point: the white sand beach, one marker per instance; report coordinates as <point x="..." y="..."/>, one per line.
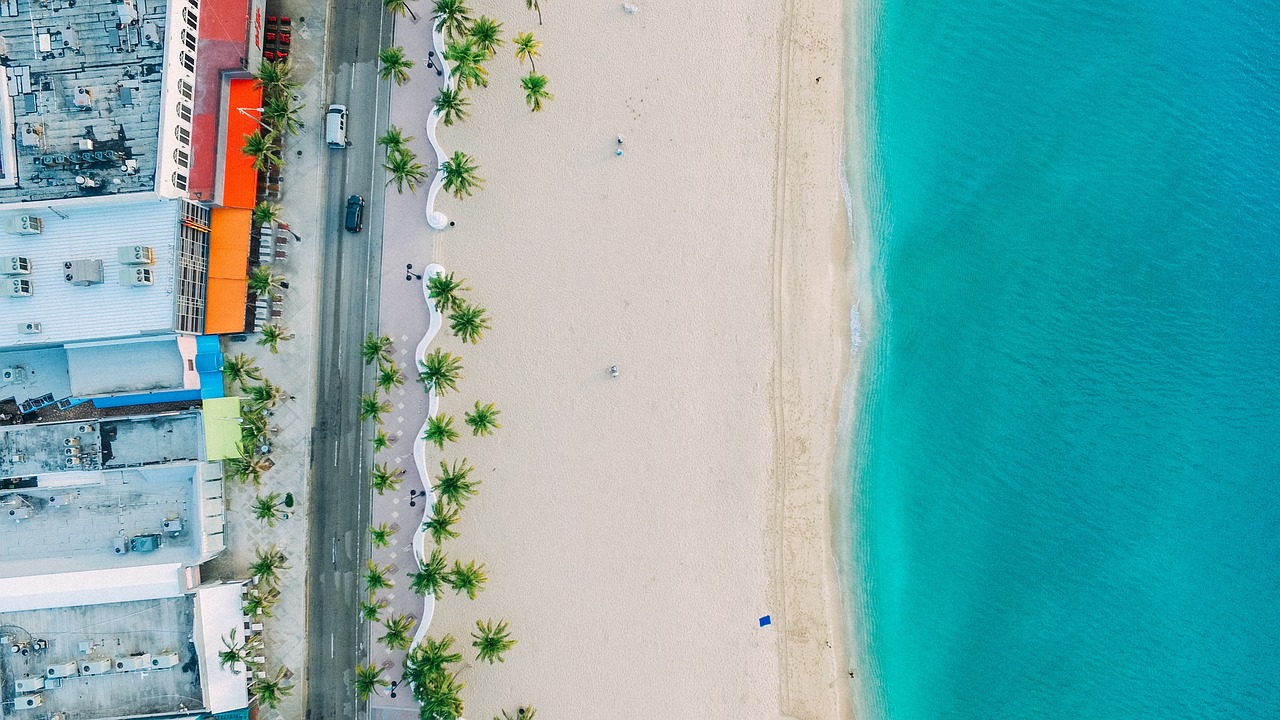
<point x="635" y="529"/>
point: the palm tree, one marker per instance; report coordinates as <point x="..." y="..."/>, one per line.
<point x="266" y="212"/>
<point x="484" y="420"/>
<point x="486" y="33"/>
<point x="264" y="283"/>
<point x="234" y="654"/>
<point x="263" y="150"/>
<point x="272" y="335"/>
<point x="275" y="77"/>
<point x="453" y="17"/>
<point x="452" y="483"/>
<point x="372" y="408"/>
<point x="382" y="478"/>
<point x="265" y="394"/>
<point x="439" y="697"/>
<point x="268" y="565"/>
<point x="469" y="578"/>
<point x="253" y="427"/>
<point x="399" y="629"/>
<point x="269" y="691"/>
<point x="440" y="370"/>
<point x="394" y="65"/>
<point x="460" y="174"/>
<point x="491" y="640"/>
<point x="376" y="578"/>
<point x="445" y="291"/>
<point x="249" y="465"/>
<point x="372" y="610"/>
<point x="468" y="63"/>
<point x="381" y="440"/>
<point x="268" y="508"/>
<point x="451" y="105"/>
<point x="468" y="322"/>
<point x="443" y="518"/>
<point x="527" y="48"/>
<point x="368" y="680"/>
<point x="431" y="578"/>
<point x="403" y="168"/>
<point x="260" y="600"/>
<point x="389" y="376"/>
<point x="377" y="349"/>
<point x="382" y="533"/>
<point x="440" y="430"/>
<point x="239" y="369"/>
<point x="394" y="137"/>
<point x="428" y="658"/>
<point x="400" y="7"/>
<point x="533" y="5"/>
<point x="535" y="90"/>
<point x="279" y="111"/>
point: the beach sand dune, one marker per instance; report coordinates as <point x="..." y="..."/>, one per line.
<point x="636" y="528"/>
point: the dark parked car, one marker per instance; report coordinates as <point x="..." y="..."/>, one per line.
<point x="355" y="213"/>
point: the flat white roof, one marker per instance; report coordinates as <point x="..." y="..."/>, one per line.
<point x="125" y="366"/>
<point x="90" y="231"/>
<point x="219" y="610"/>
<point x="91" y="587"/>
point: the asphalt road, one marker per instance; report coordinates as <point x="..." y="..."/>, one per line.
<point x="339" y="511"/>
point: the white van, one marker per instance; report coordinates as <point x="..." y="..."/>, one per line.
<point x="335" y="126"/>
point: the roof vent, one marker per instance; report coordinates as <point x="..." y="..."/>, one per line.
<point x="30" y="328"/>
<point x="136" y="277"/>
<point x="23" y="702"/>
<point x="16" y="287"/>
<point x="26" y="225"/>
<point x="136" y="255"/>
<point x="82" y="272"/>
<point x="15" y="265"/>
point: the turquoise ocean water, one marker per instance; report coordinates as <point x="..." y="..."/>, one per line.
<point x="1067" y="453"/>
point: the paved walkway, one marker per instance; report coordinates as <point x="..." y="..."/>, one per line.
<point x="293" y="369"/>
<point x="406" y="241"/>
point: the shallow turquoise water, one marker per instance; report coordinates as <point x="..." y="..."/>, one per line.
<point x="1066" y="498"/>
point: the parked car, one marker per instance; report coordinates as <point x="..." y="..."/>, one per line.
<point x="355" y="213"/>
<point x="335" y="126"/>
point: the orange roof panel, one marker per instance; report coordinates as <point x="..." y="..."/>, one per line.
<point x="239" y="179"/>
<point x="228" y="270"/>
<point x="224" y="306"/>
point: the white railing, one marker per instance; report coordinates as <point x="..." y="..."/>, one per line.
<point x="421" y="536"/>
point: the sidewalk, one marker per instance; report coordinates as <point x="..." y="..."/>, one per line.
<point x="293" y="369"/>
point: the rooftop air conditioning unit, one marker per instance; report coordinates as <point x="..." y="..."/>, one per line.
<point x="12" y="375"/>
<point x="59" y="500"/>
<point x="97" y="666"/>
<point x="71" y="441"/>
<point x="15" y="265"/>
<point x="29" y="684"/>
<point x="18" y="513"/>
<point x="61" y="670"/>
<point x="29" y="328"/>
<point x="82" y="272"/>
<point x="136" y="255"/>
<point x="164" y="660"/>
<point x="120" y="545"/>
<point x="129" y="663"/>
<point x="136" y="277"/>
<point x="16" y="287"/>
<point x="87" y="428"/>
<point x="24" y="702"/>
<point x="26" y="225"/>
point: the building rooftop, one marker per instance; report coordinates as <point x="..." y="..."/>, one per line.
<point x="84" y="79"/>
<point x="156" y="634"/>
<point x="95" y="233"/>
<point x="76" y="447"/>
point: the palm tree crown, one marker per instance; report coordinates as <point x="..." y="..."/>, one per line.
<point x="395" y="65"/>
<point x="440" y="430"/>
<point x="460" y="176"/>
<point x="468" y="63"/>
<point x="240" y="369"/>
<point x="469" y="578"/>
<point x="535" y="90"/>
<point x="486" y="33"/>
<point x="268" y="508"/>
<point x="452" y="483"/>
<point x="451" y="105"/>
<point x="368" y="680"/>
<point x="376" y="349"/>
<point x="372" y="408"/>
<point x="269" y="691"/>
<point x="389" y="376"/>
<point x="268" y="564"/>
<point x="394" y="138"/>
<point x="453" y="18"/>
<point x="484" y="420"/>
<point x="272" y="335"/>
<point x="275" y="77"/>
<point x="468" y="322"/>
<point x="376" y="579"/>
<point x="491" y="640"/>
<point x="372" y="610"/>
<point x="398" y="629"/>
<point x="431" y="578"/>
<point x="381" y="534"/>
<point x="445" y="291"/>
<point x="440" y="524"/>
<point x="263" y="150"/>
<point x="440" y="370"/>
<point x="382" y="478"/>
<point x="280" y="112"/>
<point x="400" y="7"/>
<point x="527" y="48"/>
<point x="403" y="168"/>
<point x="266" y="212"/>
